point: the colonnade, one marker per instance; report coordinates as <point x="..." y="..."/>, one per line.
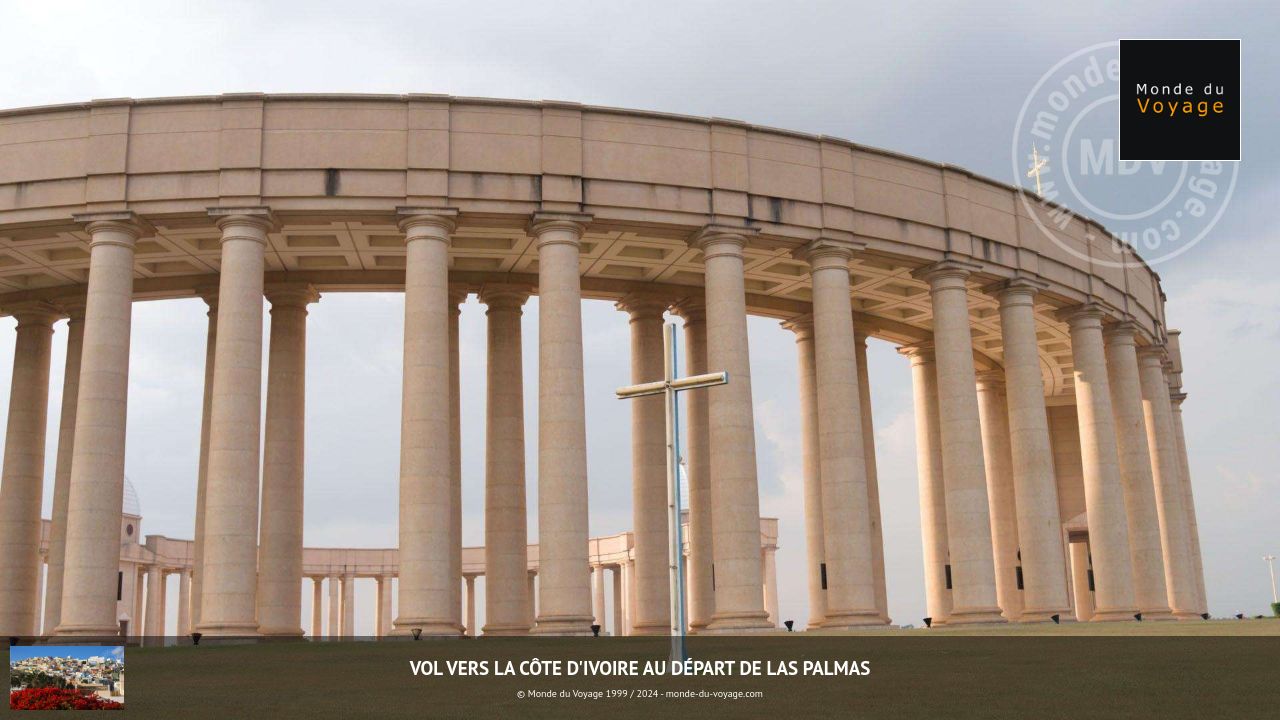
<point x="994" y="543"/>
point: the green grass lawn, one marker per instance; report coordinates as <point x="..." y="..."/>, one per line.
<point x="1167" y="670"/>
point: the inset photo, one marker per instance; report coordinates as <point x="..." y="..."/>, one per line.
<point x="66" y="677"/>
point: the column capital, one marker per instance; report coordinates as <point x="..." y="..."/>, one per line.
<point x="423" y="223"/>
<point x="457" y="295"/>
<point x="34" y="313"/>
<point x="72" y="307"/>
<point x="1176" y="398"/>
<point x="253" y="223"/>
<point x="826" y="252"/>
<point x="1152" y="355"/>
<point x="571" y="225"/>
<point x="504" y="296"/>
<point x="291" y="295"/>
<point x="114" y="228"/>
<point x="801" y="325"/>
<point x="1016" y="291"/>
<point x="693" y="309"/>
<point x="1082" y="315"/>
<point x="921" y="352"/>
<point x="860" y="335"/>
<point x="715" y="240"/>
<point x="209" y="293"/>
<point x="1121" y="333"/>
<point x="993" y="379"/>
<point x="946" y="273"/>
<point x="644" y="305"/>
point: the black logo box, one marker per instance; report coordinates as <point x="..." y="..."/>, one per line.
<point x="1175" y="72"/>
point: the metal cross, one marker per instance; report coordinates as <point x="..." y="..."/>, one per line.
<point x="670" y="386"/>
<point x="1271" y="566"/>
<point x="1037" y="164"/>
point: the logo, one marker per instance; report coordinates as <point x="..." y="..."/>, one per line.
<point x="1066" y="148"/>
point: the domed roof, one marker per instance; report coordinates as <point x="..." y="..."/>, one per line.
<point x="131" y="505"/>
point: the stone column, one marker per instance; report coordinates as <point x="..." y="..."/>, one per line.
<point x="335" y="607"/>
<point x="649" y="467"/>
<point x="533" y="606"/>
<point x="457" y="296"/>
<point x="426" y="470"/>
<point x="280" y="541"/>
<point x="564" y="607"/>
<point x="631" y="596"/>
<point x="471" y="605"/>
<point x="994" y="415"/>
<point x="92" y="558"/>
<point x="1176" y="398"/>
<point x="138" y="628"/>
<point x="701" y="598"/>
<point x="184" y="602"/>
<point x="1135" y="473"/>
<point x="383" y="620"/>
<point x="933" y="503"/>
<point x="228" y="606"/>
<point x="873" y="482"/>
<point x="1104" y="494"/>
<point x="618" y="628"/>
<point x="1171" y="511"/>
<point x="506" y="561"/>
<point x="1044" y="571"/>
<point x="348" y="606"/>
<point x="317" y="607"/>
<point x="597" y="594"/>
<point x="973" y="593"/>
<point x="37" y="621"/>
<point x="155" y="606"/>
<point x="1080" y="581"/>
<point x="74" y="308"/>
<point x="851" y="599"/>
<point x="735" y="498"/>
<point x="1188" y="499"/>
<point x="770" y="572"/>
<point x="23" y="481"/>
<point x="806" y="369"/>
<point x="202" y="473"/>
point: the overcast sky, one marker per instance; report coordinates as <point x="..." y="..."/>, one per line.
<point x="943" y="82"/>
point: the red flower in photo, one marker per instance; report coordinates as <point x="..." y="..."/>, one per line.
<point x="59" y="699"/>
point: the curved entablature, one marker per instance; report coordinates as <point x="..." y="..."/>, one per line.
<point x="335" y="168"/>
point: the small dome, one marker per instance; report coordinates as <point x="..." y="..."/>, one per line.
<point x="131" y="505"/>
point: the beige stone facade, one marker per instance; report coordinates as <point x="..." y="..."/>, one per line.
<point x="1048" y="388"/>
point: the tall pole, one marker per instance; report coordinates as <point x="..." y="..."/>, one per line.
<point x="1271" y="565"/>
<point x="675" y="547"/>
<point x="669" y="387"/>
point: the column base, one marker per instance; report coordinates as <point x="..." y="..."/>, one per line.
<point x="403" y="628"/>
<point x="511" y="630"/>
<point x="281" y="633"/>
<point x="1186" y="615"/>
<point x="851" y="619"/>
<point x="568" y="625"/>
<point x="1032" y="617"/>
<point x="1157" y="615"/>
<point x="1114" y="615"/>
<point x="229" y="630"/>
<point x="698" y="626"/>
<point x="85" y="631"/>
<point x="729" y="623"/>
<point x="975" y="616"/>
<point x="651" y="629"/>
